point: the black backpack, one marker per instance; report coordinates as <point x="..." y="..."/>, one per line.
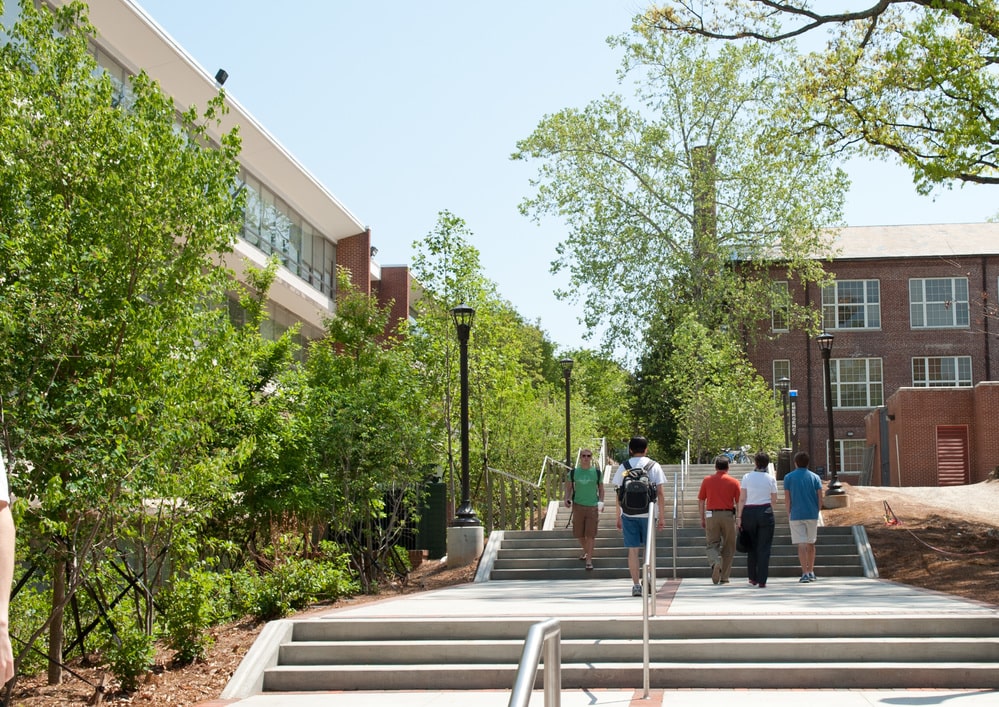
<point x="636" y="492"/>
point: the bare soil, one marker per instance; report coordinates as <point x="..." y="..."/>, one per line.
<point x="946" y="539"/>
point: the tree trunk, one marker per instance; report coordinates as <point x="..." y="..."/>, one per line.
<point x="55" y="628"/>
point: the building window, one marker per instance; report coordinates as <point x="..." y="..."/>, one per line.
<point x="852" y="304"/>
<point x="782" y="369"/>
<point x="779" y="310"/>
<point x="856" y="382"/>
<point x="938" y="302"/>
<point x="941" y="372"/>
<point x="851" y="455"/>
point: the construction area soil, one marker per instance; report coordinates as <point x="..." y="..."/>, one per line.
<point x="945" y="539"/>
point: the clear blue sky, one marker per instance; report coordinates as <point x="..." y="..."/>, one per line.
<point x="403" y="109"/>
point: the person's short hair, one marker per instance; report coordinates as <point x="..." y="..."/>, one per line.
<point x="762" y="460"/>
<point x="638" y="444"/>
<point x="801" y="459"/>
<point x="721" y="462"/>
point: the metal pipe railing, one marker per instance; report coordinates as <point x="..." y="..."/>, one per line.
<point x="648" y="593"/>
<point x="544" y="638"/>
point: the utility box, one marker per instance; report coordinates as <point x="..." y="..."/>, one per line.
<point x="433" y="521"/>
<point x="783" y="463"/>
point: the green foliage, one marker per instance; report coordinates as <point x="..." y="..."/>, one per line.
<point x="719" y="400"/>
<point x="292" y="585"/>
<point x="905" y="78"/>
<point x="130" y="652"/>
<point x="189" y="608"/>
<point x="663" y="193"/>
<point x="29" y="610"/>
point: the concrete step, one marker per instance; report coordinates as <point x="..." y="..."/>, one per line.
<point x="899" y="651"/>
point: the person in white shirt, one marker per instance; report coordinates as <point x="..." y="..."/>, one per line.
<point x="755" y="515"/>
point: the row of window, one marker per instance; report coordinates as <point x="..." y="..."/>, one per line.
<point x="269" y="223"/>
<point x="934" y="303"/>
<point x="859" y="383"/>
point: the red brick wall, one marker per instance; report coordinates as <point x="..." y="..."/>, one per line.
<point x="354" y="254"/>
<point x="895" y="343"/>
<point x="394" y="288"/>
<point x="985" y="440"/>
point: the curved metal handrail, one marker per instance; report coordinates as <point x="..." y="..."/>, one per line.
<point x="546" y="635"/>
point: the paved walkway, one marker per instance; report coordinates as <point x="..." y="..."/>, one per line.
<point x="689" y="597"/>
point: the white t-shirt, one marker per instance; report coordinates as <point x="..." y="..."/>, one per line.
<point x="759" y="485"/>
<point x="656" y="476"/>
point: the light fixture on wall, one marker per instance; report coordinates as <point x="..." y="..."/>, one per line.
<point x="374" y="251"/>
<point x="220" y="76"/>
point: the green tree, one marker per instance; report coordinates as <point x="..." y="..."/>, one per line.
<point x="112" y="301"/>
<point x="719" y="399"/>
<point x="371" y="436"/>
<point x="515" y="410"/>
<point x="911" y="78"/>
<point x="665" y="193"/>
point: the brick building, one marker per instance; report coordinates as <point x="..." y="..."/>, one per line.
<point x="913" y="313"/>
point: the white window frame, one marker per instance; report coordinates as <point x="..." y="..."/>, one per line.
<point x="836" y="303"/>
<point x="842" y="466"/>
<point x="872" y="384"/>
<point x="947" y="312"/>
<point x="960" y="366"/>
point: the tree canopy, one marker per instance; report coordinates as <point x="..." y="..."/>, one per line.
<point x="664" y="193"/>
<point x="915" y="79"/>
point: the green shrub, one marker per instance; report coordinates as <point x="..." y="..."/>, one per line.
<point x="28" y="611"/>
<point x="295" y="584"/>
<point x="190" y="607"/>
<point x="131" y="654"/>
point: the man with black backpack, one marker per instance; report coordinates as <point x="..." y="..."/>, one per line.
<point x="639" y="482"/>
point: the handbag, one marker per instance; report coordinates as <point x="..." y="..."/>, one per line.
<point x="743" y="541"/>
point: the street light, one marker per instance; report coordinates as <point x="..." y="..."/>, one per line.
<point x="784" y="385"/>
<point x="825" y="341"/>
<point x="567" y="372"/>
<point x="463" y="316"/>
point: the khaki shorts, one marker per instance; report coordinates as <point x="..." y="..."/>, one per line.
<point x="584" y="521"/>
<point x="804" y="531"/>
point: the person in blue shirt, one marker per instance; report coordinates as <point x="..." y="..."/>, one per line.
<point x="803" y="499"/>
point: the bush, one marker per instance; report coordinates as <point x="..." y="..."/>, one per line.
<point x="190" y="607"/>
<point x="295" y="584"/>
<point x="130" y="654"/>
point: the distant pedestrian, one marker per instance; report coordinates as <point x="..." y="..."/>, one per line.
<point x="584" y="494"/>
<point x="803" y="498"/>
<point x="716" y="501"/>
<point x="7" y="544"/>
<point x="633" y="523"/>
<point x="755" y="516"/>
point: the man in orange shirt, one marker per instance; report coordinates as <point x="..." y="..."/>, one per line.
<point x="717" y="500"/>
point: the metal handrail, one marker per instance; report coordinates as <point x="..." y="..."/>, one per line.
<point x="676" y="493"/>
<point x="545" y="635"/>
<point x="648" y="596"/>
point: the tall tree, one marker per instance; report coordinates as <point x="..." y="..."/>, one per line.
<point x="663" y="194"/>
<point x="112" y="300"/>
<point x="915" y="79"/>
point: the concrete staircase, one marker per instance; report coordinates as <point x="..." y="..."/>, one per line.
<point x="553" y="554"/>
<point x="710" y="652"/>
<point x="728" y="650"/>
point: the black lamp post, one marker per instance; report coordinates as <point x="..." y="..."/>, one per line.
<point x="567" y="372"/>
<point x="784" y="385"/>
<point x="463" y="316"/>
<point x="825" y="341"/>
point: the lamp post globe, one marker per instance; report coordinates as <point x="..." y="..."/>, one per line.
<point x="825" y="342"/>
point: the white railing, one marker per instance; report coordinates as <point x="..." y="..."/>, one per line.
<point x="543" y="638"/>
<point x="648" y="592"/>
